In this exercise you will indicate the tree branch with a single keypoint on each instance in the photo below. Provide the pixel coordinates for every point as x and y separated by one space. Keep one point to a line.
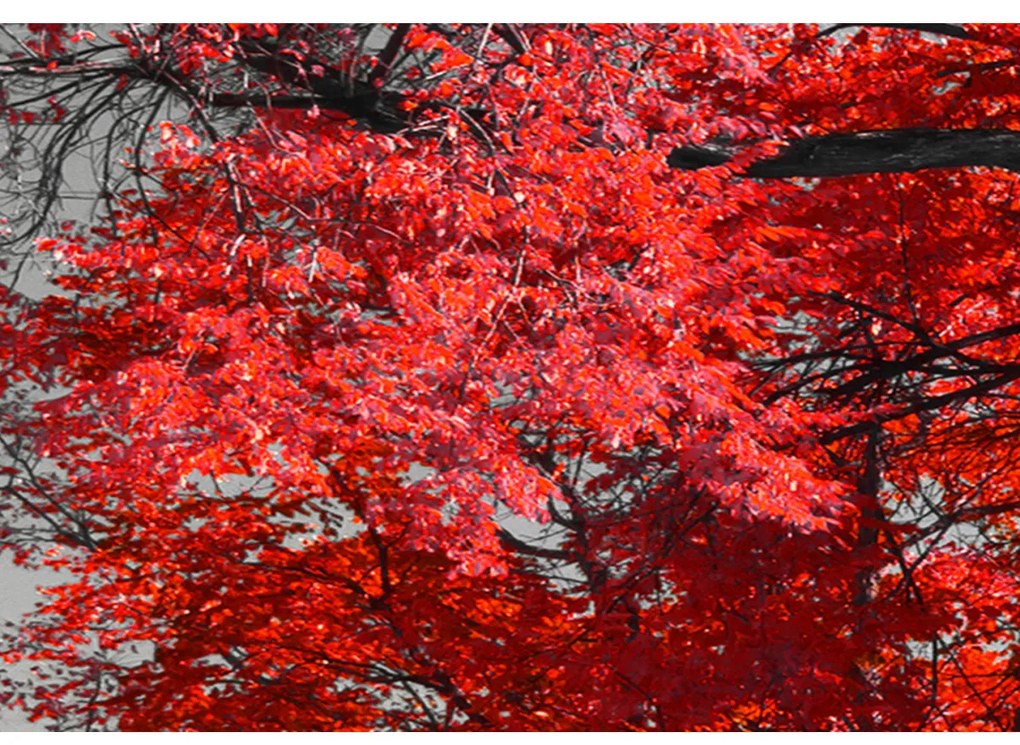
881 151
940 29
924 404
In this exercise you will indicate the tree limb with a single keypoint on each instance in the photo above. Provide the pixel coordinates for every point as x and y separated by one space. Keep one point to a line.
879 151
923 404
941 29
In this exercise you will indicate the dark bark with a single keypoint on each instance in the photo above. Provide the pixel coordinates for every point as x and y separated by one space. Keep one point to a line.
939 29
388 55
925 404
883 151
511 34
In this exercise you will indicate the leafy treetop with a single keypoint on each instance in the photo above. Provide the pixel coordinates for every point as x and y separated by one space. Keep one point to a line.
516 377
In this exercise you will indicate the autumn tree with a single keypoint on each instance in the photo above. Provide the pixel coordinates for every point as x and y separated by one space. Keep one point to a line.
515 377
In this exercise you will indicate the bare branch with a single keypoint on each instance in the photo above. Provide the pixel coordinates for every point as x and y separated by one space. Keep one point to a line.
881 151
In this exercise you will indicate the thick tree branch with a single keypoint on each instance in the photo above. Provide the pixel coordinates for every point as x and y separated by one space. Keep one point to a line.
882 151
388 55
511 34
941 29
924 404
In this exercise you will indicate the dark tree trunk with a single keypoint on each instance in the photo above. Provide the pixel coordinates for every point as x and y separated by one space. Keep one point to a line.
886 151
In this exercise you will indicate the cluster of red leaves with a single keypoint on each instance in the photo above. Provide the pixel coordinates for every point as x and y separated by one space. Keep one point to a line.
318 389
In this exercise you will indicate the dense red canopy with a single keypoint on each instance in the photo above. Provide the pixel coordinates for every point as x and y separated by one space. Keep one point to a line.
415 377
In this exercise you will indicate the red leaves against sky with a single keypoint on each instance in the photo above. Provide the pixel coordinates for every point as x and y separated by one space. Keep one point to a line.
496 422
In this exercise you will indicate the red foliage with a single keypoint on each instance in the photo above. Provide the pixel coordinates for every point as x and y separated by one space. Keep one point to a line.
495 421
